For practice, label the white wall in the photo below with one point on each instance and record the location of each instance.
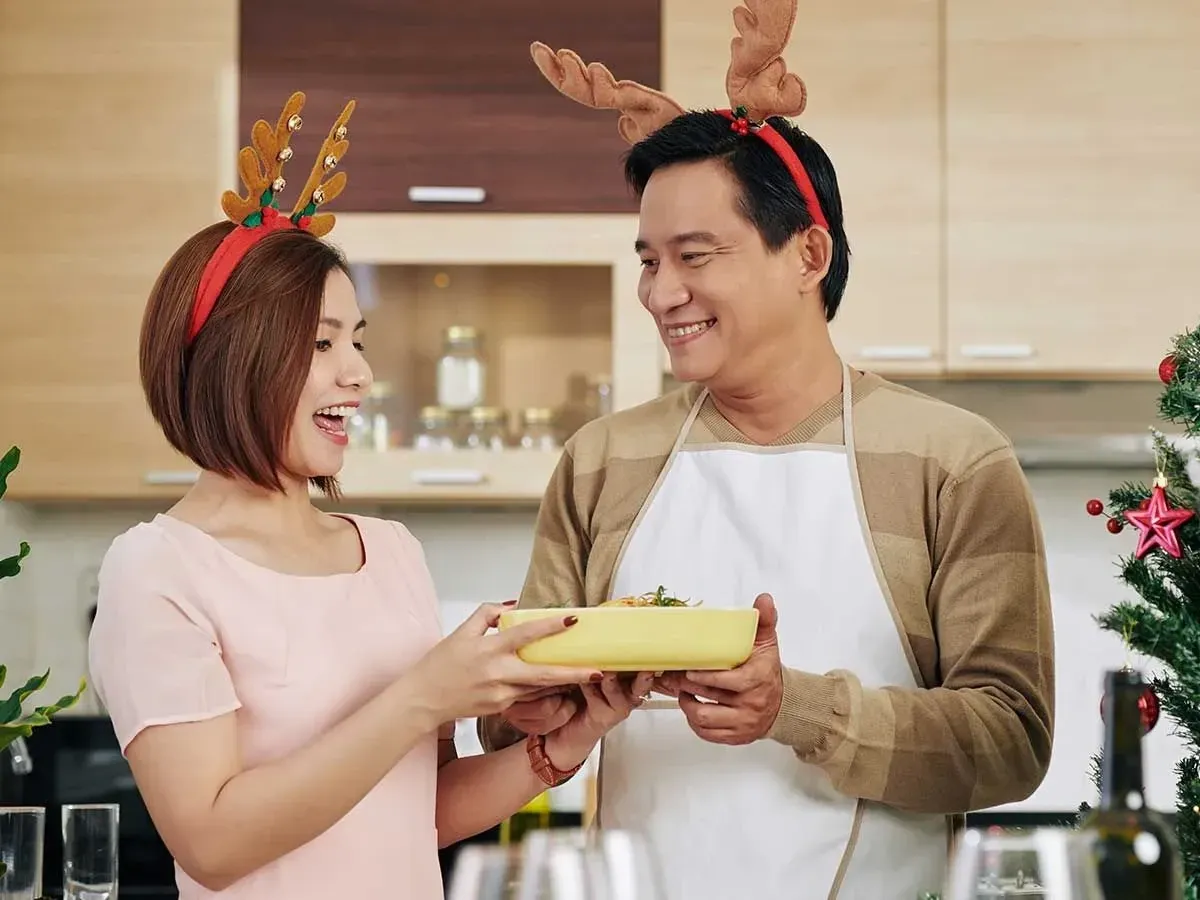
(480, 556)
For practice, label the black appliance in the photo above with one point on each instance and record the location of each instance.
(76, 760)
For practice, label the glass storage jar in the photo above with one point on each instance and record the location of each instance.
(599, 395)
(488, 427)
(435, 429)
(369, 427)
(537, 429)
(461, 373)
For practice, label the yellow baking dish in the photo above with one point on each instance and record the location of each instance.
(643, 639)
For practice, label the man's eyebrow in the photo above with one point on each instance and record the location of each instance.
(687, 237)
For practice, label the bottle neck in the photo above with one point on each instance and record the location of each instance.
(1121, 785)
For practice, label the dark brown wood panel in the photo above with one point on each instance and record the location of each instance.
(449, 96)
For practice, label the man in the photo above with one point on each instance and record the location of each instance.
(902, 673)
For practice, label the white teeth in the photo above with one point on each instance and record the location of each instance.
(336, 411)
(684, 330)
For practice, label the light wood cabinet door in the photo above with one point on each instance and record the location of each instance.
(872, 71)
(116, 125)
(1073, 184)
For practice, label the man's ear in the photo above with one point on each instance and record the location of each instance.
(815, 249)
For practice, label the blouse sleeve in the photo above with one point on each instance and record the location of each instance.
(154, 659)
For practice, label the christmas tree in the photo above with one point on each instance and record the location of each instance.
(1163, 623)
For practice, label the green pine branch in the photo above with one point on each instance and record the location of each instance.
(1180, 400)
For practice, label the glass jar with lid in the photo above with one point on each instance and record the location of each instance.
(537, 429)
(435, 429)
(488, 428)
(370, 427)
(461, 373)
(599, 395)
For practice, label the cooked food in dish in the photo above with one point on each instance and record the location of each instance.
(653, 598)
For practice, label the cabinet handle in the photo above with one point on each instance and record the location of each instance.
(996, 351)
(434, 194)
(170, 477)
(900, 351)
(448, 476)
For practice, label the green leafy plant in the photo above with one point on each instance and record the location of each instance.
(14, 721)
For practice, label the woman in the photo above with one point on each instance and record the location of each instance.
(274, 673)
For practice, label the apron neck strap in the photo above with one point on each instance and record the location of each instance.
(847, 411)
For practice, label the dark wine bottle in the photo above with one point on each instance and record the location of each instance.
(1135, 851)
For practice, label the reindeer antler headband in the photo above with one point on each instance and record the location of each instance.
(257, 214)
(758, 84)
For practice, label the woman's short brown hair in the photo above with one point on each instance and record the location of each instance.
(227, 399)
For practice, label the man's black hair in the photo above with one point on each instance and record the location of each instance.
(770, 200)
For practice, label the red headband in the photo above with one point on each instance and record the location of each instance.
(257, 214)
(742, 125)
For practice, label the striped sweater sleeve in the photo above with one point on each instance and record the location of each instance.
(979, 732)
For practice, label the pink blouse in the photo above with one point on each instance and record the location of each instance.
(188, 630)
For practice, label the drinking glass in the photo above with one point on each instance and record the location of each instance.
(22, 842)
(486, 872)
(90, 840)
(1049, 863)
(588, 864)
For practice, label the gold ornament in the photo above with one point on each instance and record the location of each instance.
(330, 162)
(318, 197)
(340, 133)
(294, 122)
(278, 184)
(285, 154)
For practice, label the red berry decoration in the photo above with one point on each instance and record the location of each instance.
(1095, 507)
(1166, 369)
(1114, 526)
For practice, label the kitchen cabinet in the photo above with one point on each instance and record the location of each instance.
(116, 110)
(453, 113)
(544, 331)
(1015, 183)
(872, 71)
(1072, 178)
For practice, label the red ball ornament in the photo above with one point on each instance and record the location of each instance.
(1166, 369)
(1114, 526)
(1148, 705)
(1095, 507)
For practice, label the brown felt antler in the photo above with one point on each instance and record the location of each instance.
(260, 164)
(333, 148)
(643, 110)
(758, 79)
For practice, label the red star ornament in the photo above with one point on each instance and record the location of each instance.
(1156, 524)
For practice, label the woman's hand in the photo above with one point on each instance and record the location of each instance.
(605, 706)
(472, 673)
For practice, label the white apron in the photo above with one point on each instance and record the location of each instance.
(725, 523)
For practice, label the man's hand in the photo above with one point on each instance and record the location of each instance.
(745, 700)
(604, 706)
(543, 711)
